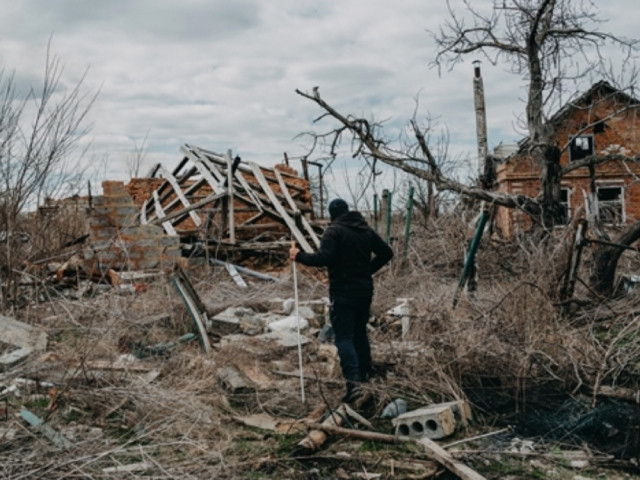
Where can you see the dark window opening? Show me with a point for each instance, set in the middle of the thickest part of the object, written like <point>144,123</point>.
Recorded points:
<point>565,205</point>
<point>610,206</point>
<point>598,127</point>
<point>581,146</point>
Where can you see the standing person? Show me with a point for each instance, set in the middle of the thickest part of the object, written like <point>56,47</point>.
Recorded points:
<point>353,252</point>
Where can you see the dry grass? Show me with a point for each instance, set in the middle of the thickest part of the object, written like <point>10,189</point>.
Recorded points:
<point>506,349</point>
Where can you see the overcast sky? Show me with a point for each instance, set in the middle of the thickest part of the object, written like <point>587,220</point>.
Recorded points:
<point>221,74</point>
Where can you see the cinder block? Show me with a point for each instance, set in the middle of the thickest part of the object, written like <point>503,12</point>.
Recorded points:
<point>437,421</point>
<point>461,412</point>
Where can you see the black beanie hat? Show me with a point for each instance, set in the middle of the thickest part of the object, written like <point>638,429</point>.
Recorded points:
<point>337,207</point>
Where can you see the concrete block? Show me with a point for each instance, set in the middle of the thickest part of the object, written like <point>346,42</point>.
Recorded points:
<point>434,422</point>
<point>10,359</point>
<point>461,411</point>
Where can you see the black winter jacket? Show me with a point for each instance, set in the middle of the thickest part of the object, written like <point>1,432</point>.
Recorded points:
<point>346,248</point>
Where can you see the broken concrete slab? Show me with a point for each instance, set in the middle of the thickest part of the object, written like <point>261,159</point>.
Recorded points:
<point>284,338</point>
<point>13,358</point>
<point>22,335</point>
<point>234,381</point>
<point>227,322</point>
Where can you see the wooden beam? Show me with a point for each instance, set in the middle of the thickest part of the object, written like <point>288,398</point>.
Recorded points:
<point>211,198</point>
<point>178,191</point>
<point>294,207</point>
<point>168,227</point>
<point>280,209</point>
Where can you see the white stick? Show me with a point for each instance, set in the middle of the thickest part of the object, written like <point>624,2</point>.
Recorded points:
<point>295,296</point>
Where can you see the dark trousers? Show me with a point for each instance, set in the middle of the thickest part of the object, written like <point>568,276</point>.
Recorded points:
<point>349,319</point>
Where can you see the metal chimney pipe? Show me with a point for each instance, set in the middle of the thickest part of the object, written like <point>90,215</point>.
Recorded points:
<point>481,118</point>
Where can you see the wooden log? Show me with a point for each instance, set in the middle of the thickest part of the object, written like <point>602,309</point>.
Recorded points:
<point>317,436</point>
<point>432,449</point>
<point>443,457</point>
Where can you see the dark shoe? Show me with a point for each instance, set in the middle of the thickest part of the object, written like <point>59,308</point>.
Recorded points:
<point>354,392</point>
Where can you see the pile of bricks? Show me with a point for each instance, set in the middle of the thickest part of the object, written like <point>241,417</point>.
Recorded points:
<point>117,241</point>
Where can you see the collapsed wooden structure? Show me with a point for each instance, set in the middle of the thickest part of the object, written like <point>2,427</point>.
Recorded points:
<point>231,203</point>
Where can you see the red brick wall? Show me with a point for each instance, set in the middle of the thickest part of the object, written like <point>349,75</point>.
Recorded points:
<point>621,135</point>
<point>117,241</point>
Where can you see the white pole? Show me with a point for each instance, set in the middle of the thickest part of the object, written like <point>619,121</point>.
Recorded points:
<point>295,297</point>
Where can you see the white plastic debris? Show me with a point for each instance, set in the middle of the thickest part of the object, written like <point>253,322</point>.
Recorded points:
<point>397,407</point>
<point>288,323</point>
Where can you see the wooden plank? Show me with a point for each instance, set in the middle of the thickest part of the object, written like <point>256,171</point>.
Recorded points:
<point>246,271</point>
<point>280,209</point>
<point>211,198</point>
<point>160,214</point>
<point>143,212</point>
<point>192,188</point>
<point>179,193</point>
<point>444,458</point>
<point>215,184</point>
<point>248,189</point>
<point>235,275</point>
<point>294,207</point>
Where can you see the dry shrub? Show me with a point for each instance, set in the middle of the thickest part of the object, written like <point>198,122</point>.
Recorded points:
<point>513,343</point>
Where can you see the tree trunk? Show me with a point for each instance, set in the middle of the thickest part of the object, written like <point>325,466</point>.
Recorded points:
<point>606,260</point>
<point>552,214</point>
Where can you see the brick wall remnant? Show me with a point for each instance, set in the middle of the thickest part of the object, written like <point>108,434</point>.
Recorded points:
<point>117,241</point>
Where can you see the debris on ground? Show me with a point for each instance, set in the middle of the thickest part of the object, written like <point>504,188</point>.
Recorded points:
<point>161,341</point>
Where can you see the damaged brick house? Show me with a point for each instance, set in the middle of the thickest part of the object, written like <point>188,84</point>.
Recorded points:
<point>599,122</point>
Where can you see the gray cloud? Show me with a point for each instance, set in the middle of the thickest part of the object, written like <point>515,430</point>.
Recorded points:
<point>222,74</point>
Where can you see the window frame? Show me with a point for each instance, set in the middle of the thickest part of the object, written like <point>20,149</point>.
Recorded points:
<point>567,204</point>
<point>573,149</point>
<point>620,202</point>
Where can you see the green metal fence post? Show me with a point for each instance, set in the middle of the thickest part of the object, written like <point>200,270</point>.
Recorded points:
<point>375,212</point>
<point>388,236</point>
<point>407,226</point>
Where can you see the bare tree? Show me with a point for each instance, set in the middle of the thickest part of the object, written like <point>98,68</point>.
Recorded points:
<point>39,134</point>
<point>541,41</point>
<point>137,156</point>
